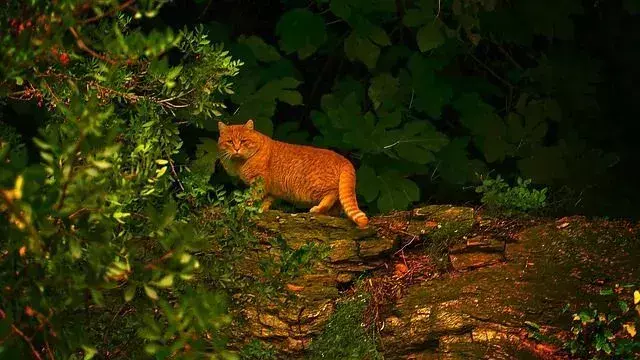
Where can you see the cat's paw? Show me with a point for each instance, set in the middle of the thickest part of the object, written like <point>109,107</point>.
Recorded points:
<point>315,210</point>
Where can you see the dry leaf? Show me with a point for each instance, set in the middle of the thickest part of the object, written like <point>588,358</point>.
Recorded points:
<point>431,224</point>
<point>636,297</point>
<point>630,328</point>
<point>295,288</point>
<point>401,269</point>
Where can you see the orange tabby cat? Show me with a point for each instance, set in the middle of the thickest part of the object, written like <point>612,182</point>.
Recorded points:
<point>300,174</point>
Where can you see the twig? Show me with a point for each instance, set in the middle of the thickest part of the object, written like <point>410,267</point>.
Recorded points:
<point>176,97</point>
<point>87,49</point>
<point>51,92</point>
<point>72,173</point>
<point>27,340</point>
<point>405,141</point>
<point>152,264</point>
<point>206,8</point>
<point>486,67</point>
<point>48,348</point>
<point>502,50</point>
<point>109,13</point>
<point>175,174</point>
<point>405,245</point>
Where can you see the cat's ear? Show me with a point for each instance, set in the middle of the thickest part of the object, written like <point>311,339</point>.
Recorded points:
<point>221,126</point>
<point>249,124</point>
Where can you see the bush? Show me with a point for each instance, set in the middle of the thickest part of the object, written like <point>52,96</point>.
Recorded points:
<point>94,227</point>
<point>497,195</point>
<point>607,334</point>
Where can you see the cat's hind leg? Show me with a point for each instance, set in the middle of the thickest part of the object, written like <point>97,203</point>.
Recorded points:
<point>325,204</point>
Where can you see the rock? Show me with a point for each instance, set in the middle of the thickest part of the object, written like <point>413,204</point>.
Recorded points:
<point>476,311</point>
<point>481,313</point>
<point>441,222</point>
<point>477,252</point>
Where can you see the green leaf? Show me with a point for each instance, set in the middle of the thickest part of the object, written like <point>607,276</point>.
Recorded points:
<point>290,97</point>
<point>174,72</point>
<point>129,293</point>
<point>367,183</point>
<point>151,292</point>
<point>431,92</point>
<point>606,291</point>
<point>165,282</point>
<point>379,36</point>
<point>362,49</point>
<point>383,87</point>
<point>390,120</point>
<point>261,50</point>
<point>341,8</point>
<point>624,307</point>
<point>414,153</point>
<point>429,37</point>
<point>89,352</point>
<point>97,297</point>
<point>396,193</point>
<point>301,30</point>
<point>414,18</point>
<point>632,6</point>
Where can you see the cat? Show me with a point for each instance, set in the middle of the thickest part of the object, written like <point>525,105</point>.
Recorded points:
<point>299,174</point>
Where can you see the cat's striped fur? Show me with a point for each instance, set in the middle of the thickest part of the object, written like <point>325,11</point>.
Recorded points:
<point>299,174</point>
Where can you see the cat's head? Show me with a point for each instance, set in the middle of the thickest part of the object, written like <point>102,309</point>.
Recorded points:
<point>238,142</point>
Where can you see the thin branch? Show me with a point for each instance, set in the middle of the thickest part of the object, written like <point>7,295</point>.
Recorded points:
<point>175,174</point>
<point>206,9</point>
<point>153,264</point>
<point>506,53</point>
<point>486,67</point>
<point>123,6</point>
<point>27,340</point>
<point>72,173</point>
<point>87,49</point>
<point>438,13</point>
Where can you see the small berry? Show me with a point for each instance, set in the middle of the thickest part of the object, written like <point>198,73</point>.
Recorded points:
<point>64,59</point>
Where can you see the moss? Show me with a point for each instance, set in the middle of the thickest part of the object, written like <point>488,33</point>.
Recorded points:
<point>345,336</point>
<point>258,350</point>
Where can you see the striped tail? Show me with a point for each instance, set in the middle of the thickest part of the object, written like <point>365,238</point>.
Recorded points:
<point>347,196</point>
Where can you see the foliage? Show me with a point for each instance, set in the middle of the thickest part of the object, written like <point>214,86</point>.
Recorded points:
<point>345,336</point>
<point>604,335</point>
<point>256,350</point>
<point>227,222</point>
<point>424,95</point>
<point>94,223</point>
<point>498,195</point>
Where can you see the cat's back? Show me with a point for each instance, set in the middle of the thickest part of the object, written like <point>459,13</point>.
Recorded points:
<point>307,156</point>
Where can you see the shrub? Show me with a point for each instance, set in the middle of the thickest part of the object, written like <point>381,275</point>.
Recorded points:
<point>499,196</point>
<point>93,228</point>
<point>607,334</point>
